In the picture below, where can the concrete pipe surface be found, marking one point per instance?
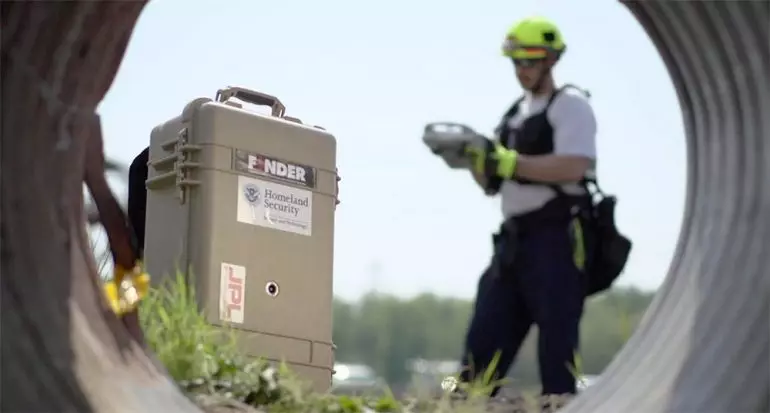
(703, 344)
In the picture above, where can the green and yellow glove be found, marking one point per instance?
(493, 160)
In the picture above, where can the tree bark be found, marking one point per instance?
(62, 349)
(92, 214)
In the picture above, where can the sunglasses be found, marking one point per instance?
(526, 62)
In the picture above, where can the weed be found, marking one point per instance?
(203, 359)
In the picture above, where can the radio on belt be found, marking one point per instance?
(243, 203)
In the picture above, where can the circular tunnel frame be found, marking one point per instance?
(703, 344)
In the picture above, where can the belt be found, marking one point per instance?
(558, 211)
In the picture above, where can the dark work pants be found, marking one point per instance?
(537, 284)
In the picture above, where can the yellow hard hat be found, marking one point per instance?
(533, 38)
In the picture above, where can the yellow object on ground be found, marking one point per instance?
(126, 289)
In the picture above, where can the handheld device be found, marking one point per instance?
(450, 140)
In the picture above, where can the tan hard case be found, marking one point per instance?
(278, 281)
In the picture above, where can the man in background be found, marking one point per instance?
(545, 148)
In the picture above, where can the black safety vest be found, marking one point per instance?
(534, 136)
(607, 250)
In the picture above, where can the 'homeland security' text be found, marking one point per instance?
(284, 203)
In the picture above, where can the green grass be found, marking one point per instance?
(204, 361)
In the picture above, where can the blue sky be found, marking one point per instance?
(373, 73)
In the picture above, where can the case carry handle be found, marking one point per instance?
(253, 97)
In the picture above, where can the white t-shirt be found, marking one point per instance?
(574, 133)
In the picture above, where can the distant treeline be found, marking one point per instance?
(384, 332)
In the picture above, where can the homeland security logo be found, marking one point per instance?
(252, 194)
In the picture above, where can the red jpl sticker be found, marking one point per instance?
(232, 293)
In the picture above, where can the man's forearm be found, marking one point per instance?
(551, 168)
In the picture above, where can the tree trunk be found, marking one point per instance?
(62, 349)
